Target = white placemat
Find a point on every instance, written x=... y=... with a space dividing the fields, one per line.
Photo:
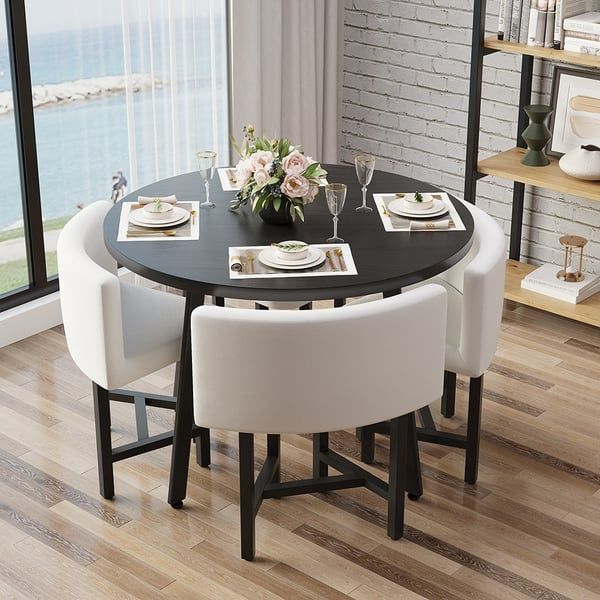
x=392 y=222
x=227 y=177
x=190 y=230
x=263 y=272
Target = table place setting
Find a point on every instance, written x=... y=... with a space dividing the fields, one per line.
x=228 y=179
x=158 y=218
x=418 y=211
x=291 y=258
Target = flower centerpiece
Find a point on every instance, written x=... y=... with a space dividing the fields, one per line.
x=275 y=177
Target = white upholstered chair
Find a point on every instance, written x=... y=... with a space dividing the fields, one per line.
x=116 y=333
x=314 y=372
x=475 y=287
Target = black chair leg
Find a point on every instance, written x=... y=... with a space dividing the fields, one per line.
x=274 y=450
x=414 y=479
x=320 y=444
x=306 y=306
x=449 y=396
x=473 y=429
x=246 y=451
x=203 y=447
x=367 y=445
x=103 y=442
x=399 y=430
x=258 y=306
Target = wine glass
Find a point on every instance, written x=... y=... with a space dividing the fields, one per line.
x=206 y=166
x=365 y=165
x=336 y=197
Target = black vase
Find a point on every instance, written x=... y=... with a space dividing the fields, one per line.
x=283 y=216
x=537 y=135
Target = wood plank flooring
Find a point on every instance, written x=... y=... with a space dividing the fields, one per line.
x=529 y=529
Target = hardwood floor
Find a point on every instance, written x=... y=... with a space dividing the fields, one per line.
x=529 y=529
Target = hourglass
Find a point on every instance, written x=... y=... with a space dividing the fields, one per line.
x=573 y=245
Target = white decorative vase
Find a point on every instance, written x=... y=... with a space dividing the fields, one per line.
x=582 y=163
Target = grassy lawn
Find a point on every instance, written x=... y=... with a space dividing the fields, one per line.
x=13 y=275
x=49 y=225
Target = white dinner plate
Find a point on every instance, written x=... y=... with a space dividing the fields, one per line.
x=397 y=207
x=137 y=218
x=268 y=257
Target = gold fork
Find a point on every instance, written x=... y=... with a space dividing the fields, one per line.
x=250 y=258
x=340 y=256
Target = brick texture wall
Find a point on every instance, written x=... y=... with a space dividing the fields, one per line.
x=405 y=99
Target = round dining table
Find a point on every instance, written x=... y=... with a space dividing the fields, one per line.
x=385 y=263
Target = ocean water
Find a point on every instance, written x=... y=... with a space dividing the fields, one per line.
x=81 y=144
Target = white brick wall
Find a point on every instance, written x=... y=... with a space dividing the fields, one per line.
x=405 y=98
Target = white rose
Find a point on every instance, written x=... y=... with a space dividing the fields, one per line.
x=243 y=172
x=261 y=176
x=260 y=159
x=312 y=194
x=295 y=163
x=295 y=186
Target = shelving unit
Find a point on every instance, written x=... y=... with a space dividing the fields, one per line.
x=507 y=165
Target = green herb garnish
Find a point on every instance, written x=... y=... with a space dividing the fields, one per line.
x=418 y=197
x=290 y=246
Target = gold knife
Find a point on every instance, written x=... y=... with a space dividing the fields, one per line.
x=330 y=260
x=167 y=232
x=250 y=257
x=385 y=210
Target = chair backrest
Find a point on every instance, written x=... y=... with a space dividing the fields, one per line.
x=479 y=276
x=321 y=370
x=90 y=294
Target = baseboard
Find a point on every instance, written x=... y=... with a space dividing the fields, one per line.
x=36 y=316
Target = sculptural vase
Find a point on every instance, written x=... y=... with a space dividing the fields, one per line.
x=537 y=135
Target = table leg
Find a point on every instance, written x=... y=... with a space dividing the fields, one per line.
x=184 y=411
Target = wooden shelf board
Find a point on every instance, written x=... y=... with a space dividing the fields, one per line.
x=573 y=58
x=508 y=166
x=587 y=311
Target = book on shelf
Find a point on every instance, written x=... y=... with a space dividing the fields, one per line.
x=582 y=46
x=525 y=10
x=544 y=281
x=501 y=23
x=566 y=9
x=586 y=23
x=537 y=23
x=579 y=35
x=550 y=20
x=508 y=6
x=515 y=22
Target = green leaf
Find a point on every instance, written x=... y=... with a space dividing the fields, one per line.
x=277 y=203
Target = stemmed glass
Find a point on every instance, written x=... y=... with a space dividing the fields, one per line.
x=206 y=166
x=336 y=197
x=365 y=165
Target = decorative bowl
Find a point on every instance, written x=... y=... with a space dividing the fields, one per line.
x=412 y=205
x=291 y=250
x=158 y=211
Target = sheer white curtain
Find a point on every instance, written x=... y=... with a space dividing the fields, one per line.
x=180 y=48
x=287 y=71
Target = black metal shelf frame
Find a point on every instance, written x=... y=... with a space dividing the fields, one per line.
x=478 y=52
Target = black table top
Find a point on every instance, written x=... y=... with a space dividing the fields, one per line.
x=385 y=261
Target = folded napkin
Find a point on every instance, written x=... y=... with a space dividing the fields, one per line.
x=235 y=263
x=421 y=225
x=147 y=199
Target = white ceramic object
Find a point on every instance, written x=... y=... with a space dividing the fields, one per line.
x=159 y=212
x=582 y=163
x=314 y=258
x=397 y=207
x=292 y=254
x=411 y=204
x=179 y=216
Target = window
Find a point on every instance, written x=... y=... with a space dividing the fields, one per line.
x=123 y=93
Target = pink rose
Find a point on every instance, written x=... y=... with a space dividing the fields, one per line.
x=243 y=172
x=295 y=163
x=260 y=159
x=295 y=186
x=312 y=194
x=261 y=176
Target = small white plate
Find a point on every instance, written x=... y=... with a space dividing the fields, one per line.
x=397 y=207
x=180 y=216
x=268 y=257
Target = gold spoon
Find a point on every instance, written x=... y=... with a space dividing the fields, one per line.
x=193 y=213
x=340 y=256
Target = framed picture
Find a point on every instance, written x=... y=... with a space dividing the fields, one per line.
x=576 y=104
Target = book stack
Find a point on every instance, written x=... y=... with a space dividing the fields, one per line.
x=568 y=24
x=544 y=281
